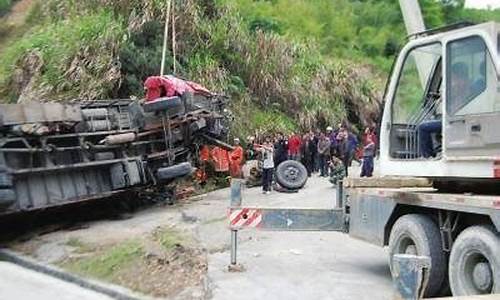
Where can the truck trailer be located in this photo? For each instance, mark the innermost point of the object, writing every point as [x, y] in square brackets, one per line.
[57, 154]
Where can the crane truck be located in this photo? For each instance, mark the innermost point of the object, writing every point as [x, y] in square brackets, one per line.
[440, 121]
[439, 193]
[442, 109]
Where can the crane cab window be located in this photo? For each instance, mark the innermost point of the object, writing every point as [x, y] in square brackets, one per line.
[416, 107]
[471, 81]
[466, 73]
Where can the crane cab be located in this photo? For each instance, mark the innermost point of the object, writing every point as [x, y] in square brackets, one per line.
[442, 106]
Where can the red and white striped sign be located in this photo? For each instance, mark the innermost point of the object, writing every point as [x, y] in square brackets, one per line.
[245, 217]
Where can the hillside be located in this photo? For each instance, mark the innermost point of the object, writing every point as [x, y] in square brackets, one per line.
[285, 66]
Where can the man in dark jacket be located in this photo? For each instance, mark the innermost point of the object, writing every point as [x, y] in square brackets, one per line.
[314, 138]
[324, 154]
[280, 150]
[306, 153]
[343, 149]
[352, 142]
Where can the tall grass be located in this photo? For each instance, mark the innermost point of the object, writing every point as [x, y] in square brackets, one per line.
[77, 56]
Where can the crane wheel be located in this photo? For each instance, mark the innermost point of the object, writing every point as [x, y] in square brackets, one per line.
[474, 267]
[418, 235]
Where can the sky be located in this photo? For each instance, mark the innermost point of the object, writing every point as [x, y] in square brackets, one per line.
[482, 3]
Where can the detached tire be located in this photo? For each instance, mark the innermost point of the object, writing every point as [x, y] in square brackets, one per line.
[172, 172]
[418, 235]
[291, 174]
[475, 262]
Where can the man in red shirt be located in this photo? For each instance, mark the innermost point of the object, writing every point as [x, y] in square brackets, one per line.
[294, 143]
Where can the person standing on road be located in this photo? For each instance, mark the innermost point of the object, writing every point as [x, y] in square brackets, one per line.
[267, 150]
[343, 149]
[323, 152]
[294, 143]
[352, 142]
[314, 138]
[368, 154]
[236, 160]
[370, 134]
[280, 149]
[332, 136]
[306, 151]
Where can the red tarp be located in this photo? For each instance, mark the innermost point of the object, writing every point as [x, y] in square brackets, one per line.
[170, 86]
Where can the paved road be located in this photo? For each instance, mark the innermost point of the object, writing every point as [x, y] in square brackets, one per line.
[290, 265]
[20, 283]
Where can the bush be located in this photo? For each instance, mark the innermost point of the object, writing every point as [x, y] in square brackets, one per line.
[5, 6]
[140, 57]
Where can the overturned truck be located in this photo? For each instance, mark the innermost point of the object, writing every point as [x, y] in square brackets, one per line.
[53, 154]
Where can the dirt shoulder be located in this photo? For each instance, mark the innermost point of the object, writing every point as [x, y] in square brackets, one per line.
[154, 252]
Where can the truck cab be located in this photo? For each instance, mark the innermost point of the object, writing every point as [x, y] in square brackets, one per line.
[442, 106]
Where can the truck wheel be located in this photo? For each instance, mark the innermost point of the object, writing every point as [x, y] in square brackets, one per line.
[291, 174]
[172, 106]
[419, 235]
[178, 170]
[475, 262]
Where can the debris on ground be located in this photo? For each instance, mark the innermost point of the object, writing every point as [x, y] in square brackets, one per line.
[184, 192]
[236, 268]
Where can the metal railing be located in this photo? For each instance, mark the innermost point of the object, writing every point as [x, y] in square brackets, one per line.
[412, 138]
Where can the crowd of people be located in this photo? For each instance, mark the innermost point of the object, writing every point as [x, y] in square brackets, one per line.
[329, 153]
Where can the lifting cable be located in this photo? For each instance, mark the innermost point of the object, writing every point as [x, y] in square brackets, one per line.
[173, 38]
[165, 39]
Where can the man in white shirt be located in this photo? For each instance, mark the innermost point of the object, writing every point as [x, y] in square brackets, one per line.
[267, 150]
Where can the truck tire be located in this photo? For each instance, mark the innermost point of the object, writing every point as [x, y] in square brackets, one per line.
[172, 106]
[291, 174]
[418, 235]
[175, 171]
[475, 262]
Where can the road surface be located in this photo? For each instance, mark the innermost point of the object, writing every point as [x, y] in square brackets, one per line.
[19, 283]
[291, 265]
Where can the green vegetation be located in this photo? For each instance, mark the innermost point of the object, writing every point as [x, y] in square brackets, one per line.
[106, 264]
[78, 245]
[4, 6]
[77, 55]
[362, 30]
[169, 238]
[288, 64]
